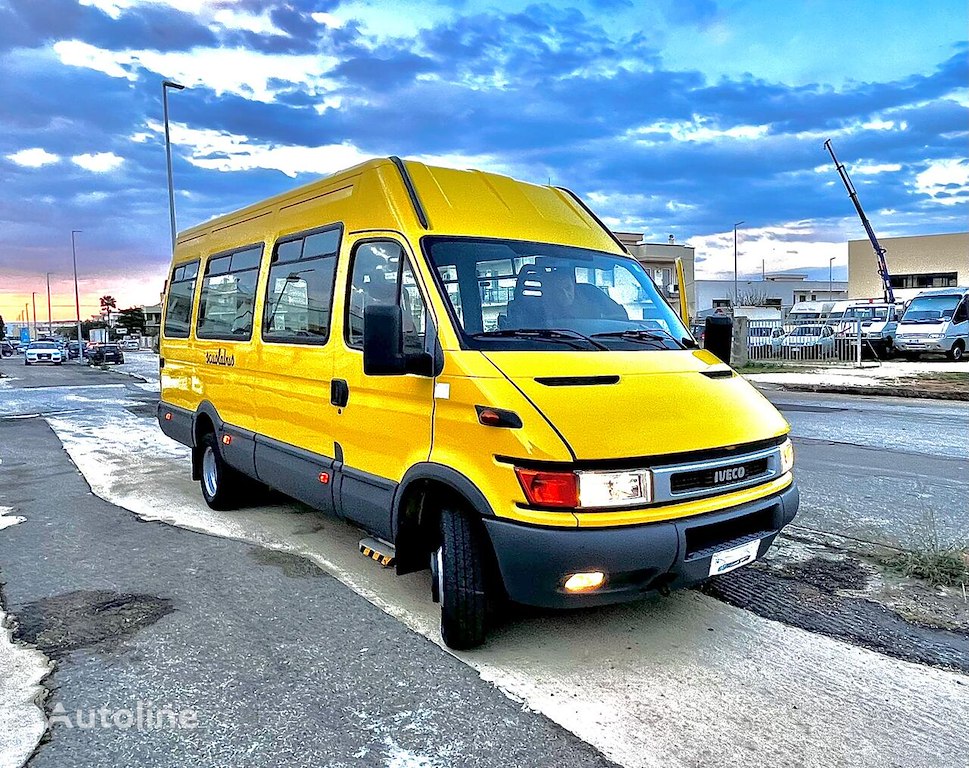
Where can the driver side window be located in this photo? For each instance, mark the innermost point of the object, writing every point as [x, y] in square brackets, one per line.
[962, 312]
[381, 276]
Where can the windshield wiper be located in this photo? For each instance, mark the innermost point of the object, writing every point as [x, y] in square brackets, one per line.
[561, 335]
[643, 335]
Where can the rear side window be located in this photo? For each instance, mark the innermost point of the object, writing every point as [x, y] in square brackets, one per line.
[299, 292]
[178, 309]
[228, 295]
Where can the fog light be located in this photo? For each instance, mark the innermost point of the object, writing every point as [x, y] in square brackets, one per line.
[585, 582]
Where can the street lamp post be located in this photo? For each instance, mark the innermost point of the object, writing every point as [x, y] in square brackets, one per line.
[77, 296]
[168, 154]
[50, 321]
[736, 293]
[830, 281]
[33, 299]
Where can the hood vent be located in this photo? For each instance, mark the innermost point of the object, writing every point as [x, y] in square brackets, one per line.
[577, 381]
[718, 373]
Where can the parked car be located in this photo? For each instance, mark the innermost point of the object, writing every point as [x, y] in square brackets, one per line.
[130, 344]
[43, 352]
[810, 342]
[105, 353]
[6, 349]
[764, 340]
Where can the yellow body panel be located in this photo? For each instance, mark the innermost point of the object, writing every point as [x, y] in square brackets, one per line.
[663, 404]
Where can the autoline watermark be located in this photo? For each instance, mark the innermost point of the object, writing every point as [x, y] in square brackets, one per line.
[141, 717]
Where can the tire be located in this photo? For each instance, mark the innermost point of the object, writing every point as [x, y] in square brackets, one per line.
[221, 484]
[459, 570]
[958, 352]
[26, 363]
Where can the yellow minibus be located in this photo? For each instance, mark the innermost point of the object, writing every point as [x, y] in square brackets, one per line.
[474, 372]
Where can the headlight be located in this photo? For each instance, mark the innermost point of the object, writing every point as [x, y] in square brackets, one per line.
[787, 456]
[615, 489]
[875, 335]
[933, 336]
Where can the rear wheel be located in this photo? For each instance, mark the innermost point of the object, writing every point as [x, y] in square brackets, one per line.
[459, 573]
[221, 484]
[958, 352]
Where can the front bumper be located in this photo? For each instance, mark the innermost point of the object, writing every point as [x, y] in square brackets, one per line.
[921, 345]
[637, 559]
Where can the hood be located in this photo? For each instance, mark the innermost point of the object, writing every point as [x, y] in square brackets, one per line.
[618, 404]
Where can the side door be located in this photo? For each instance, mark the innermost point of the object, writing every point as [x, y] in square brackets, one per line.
[382, 423]
[291, 392]
[959, 327]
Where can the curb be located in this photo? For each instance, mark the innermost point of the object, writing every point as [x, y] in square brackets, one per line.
[875, 390]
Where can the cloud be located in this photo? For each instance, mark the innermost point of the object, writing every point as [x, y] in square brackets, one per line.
[100, 162]
[251, 74]
[33, 158]
[945, 181]
[221, 151]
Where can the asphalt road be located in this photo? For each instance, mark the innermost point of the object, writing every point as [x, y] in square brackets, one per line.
[292, 649]
[889, 470]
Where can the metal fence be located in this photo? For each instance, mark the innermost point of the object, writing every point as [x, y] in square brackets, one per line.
[806, 341]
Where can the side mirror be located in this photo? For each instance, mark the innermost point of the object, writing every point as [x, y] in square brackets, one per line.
[718, 336]
[383, 341]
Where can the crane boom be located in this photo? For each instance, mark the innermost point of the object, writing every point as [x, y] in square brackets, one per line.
[879, 251]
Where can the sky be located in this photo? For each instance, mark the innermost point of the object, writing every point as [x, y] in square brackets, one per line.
[670, 117]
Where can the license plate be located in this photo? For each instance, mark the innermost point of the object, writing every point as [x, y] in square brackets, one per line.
[729, 559]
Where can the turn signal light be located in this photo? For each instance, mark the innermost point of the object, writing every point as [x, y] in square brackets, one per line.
[168, 417]
[498, 417]
[226, 439]
[585, 582]
[549, 489]
[324, 477]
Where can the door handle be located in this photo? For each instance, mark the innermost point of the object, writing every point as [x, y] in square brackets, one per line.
[339, 393]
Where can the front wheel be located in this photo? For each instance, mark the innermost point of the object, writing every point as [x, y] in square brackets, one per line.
[459, 573]
[958, 352]
[221, 484]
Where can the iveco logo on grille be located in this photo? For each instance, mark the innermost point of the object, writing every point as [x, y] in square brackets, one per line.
[729, 475]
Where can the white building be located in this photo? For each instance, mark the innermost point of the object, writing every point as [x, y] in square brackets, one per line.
[778, 290]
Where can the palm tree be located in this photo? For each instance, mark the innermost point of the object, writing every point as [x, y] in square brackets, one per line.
[107, 304]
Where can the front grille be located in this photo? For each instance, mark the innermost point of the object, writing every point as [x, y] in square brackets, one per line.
[715, 477]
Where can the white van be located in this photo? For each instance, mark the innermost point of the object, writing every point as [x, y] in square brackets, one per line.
[936, 321]
[878, 319]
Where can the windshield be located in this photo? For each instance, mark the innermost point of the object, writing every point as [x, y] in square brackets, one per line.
[807, 330]
[867, 313]
[801, 316]
[510, 294]
[43, 345]
[930, 309]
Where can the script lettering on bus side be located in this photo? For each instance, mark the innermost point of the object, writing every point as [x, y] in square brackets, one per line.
[220, 358]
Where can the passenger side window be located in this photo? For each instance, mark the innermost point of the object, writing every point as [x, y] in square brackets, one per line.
[228, 295]
[962, 312]
[178, 308]
[381, 275]
[299, 292]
